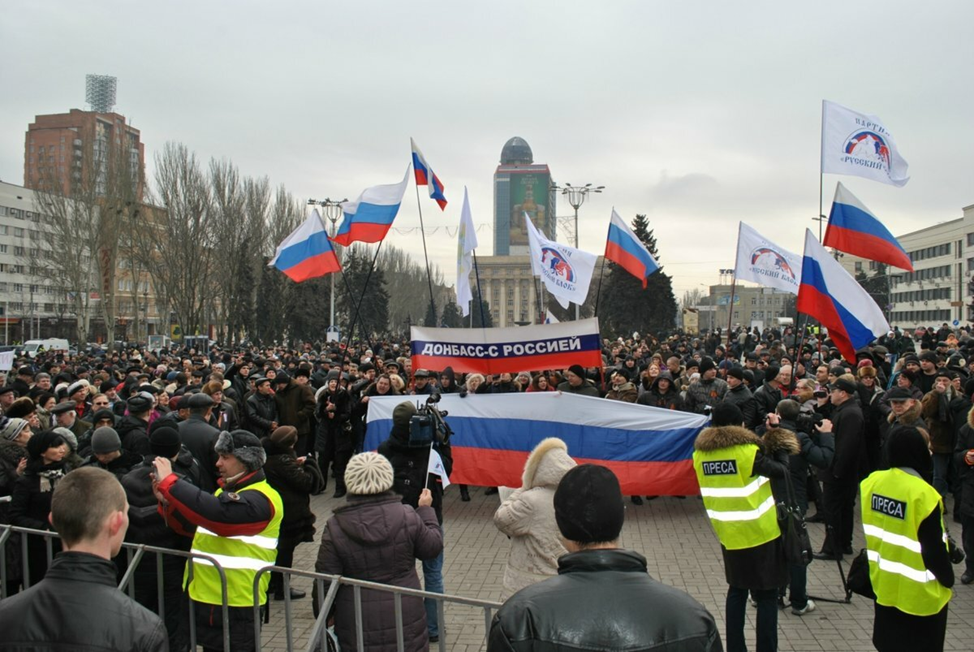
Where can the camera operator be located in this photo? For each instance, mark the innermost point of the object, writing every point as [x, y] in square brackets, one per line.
[816, 450]
[409, 456]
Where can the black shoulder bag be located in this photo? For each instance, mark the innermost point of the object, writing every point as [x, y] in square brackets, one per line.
[798, 545]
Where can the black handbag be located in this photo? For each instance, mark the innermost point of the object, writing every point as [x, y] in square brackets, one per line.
[794, 532]
[858, 580]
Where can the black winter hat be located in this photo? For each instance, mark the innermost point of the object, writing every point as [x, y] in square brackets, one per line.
[906, 446]
[706, 364]
[41, 441]
[164, 440]
[588, 505]
[402, 413]
[726, 414]
[736, 372]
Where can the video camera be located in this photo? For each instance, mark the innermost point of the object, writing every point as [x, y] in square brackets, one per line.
[428, 426]
[807, 421]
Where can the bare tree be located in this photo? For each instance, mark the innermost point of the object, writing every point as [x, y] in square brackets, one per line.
[179, 250]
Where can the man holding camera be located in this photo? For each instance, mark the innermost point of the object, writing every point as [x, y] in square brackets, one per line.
[410, 463]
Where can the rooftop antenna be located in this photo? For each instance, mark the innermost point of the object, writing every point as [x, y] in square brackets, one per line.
[100, 92]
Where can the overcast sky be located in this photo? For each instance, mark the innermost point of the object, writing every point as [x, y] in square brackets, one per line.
[699, 114]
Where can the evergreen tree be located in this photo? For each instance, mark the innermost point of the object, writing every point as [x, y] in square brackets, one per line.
[451, 317]
[430, 318]
[483, 309]
[626, 307]
[877, 285]
[372, 302]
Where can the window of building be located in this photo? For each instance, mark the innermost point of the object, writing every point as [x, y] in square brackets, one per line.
[18, 232]
[3, 248]
[18, 251]
[18, 287]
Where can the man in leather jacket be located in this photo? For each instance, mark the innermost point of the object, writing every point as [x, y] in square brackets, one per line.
[602, 598]
[77, 605]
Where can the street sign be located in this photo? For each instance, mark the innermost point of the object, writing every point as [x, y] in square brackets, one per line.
[956, 322]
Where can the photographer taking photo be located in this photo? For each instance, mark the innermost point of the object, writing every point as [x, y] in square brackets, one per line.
[408, 450]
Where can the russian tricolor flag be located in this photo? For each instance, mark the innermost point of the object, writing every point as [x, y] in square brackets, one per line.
[855, 230]
[426, 177]
[369, 218]
[830, 294]
[306, 253]
[624, 248]
[649, 449]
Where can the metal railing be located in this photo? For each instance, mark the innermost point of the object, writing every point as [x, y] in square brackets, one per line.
[318, 638]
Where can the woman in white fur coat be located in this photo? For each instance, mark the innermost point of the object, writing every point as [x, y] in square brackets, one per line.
[527, 516]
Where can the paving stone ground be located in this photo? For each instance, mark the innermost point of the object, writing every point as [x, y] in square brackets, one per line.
[676, 539]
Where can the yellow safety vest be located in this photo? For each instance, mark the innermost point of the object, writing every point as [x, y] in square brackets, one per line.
[239, 556]
[894, 503]
[740, 505]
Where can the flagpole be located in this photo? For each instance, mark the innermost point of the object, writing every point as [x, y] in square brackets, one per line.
[422, 230]
[368, 277]
[480, 293]
[821, 181]
[730, 308]
[598, 293]
[539, 299]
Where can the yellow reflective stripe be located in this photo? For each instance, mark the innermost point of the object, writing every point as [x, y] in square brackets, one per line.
[256, 540]
[891, 538]
[735, 492]
[231, 562]
[922, 576]
[742, 515]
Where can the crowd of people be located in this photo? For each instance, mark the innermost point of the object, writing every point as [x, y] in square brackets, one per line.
[219, 451]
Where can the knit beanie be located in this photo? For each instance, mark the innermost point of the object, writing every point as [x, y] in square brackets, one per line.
[285, 436]
[367, 474]
[726, 414]
[105, 440]
[164, 439]
[12, 429]
[70, 438]
[244, 446]
[588, 505]
[403, 413]
[578, 370]
[906, 446]
[706, 365]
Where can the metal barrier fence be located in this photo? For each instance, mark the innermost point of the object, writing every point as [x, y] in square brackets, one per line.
[318, 638]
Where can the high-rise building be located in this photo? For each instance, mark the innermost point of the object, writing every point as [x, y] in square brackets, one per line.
[66, 149]
[521, 186]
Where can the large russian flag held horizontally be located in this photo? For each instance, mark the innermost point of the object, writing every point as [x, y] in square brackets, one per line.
[624, 248]
[426, 177]
[855, 230]
[369, 218]
[649, 449]
[507, 350]
[306, 253]
[830, 294]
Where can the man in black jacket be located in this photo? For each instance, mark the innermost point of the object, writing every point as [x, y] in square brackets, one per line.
[410, 465]
[260, 408]
[77, 605]
[840, 481]
[200, 437]
[572, 610]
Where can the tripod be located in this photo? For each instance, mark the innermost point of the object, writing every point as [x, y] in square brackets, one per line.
[842, 575]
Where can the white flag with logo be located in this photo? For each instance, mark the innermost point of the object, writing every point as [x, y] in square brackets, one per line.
[566, 272]
[763, 262]
[466, 243]
[859, 144]
[435, 467]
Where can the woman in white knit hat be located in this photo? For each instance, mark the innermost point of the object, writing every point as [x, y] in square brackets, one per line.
[375, 537]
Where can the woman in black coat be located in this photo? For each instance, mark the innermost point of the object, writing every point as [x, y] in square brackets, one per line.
[32, 497]
[295, 479]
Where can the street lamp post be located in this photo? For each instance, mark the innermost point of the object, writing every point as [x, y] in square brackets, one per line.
[332, 211]
[576, 197]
